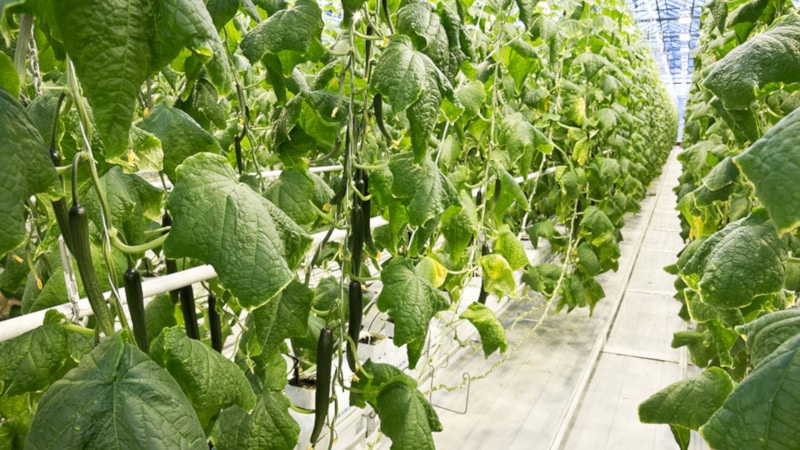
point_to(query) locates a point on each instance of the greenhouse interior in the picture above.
(399, 224)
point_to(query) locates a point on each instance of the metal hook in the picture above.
(466, 376)
(71, 282)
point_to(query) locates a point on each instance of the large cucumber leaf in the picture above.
(295, 29)
(410, 79)
(117, 398)
(209, 380)
(407, 417)
(24, 153)
(180, 135)
(760, 412)
(493, 335)
(771, 164)
(115, 45)
(743, 260)
(687, 404)
(429, 190)
(411, 301)
(769, 57)
(252, 244)
(269, 426)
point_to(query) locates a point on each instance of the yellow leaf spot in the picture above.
(132, 158)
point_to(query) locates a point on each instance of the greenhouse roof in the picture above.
(672, 28)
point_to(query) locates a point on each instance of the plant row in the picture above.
(738, 275)
(139, 132)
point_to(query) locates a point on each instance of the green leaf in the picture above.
(269, 426)
(406, 417)
(508, 245)
(401, 74)
(33, 360)
(252, 244)
(432, 270)
(471, 96)
(587, 259)
(21, 148)
(297, 192)
(460, 226)
(371, 378)
(769, 332)
(209, 380)
(542, 278)
(769, 57)
(145, 153)
(411, 301)
(160, 313)
(117, 398)
(422, 116)
(743, 260)
(688, 403)
(771, 164)
(283, 317)
(180, 135)
(757, 414)
(596, 226)
(493, 336)
(9, 80)
(430, 191)
(132, 203)
(497, 275)
(294, 29)
(419, 22)
(518, 136)
(138, 39)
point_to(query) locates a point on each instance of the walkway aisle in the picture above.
(577, 381)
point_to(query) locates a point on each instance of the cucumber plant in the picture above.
(173, 122)
(737, 276)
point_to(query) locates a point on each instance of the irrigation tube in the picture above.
(12, 328)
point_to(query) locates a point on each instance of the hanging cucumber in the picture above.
(377, 106)
(172, 265)
(323, 393)
(135, 297)
(483, 295)
(189, 312)
(79, 229)
(356, 238)
(215, 324)
(355, 302)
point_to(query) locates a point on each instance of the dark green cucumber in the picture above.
(366, 207)
(189, 312)
(135, 297)
(377, 106)
(323, 393)
(356, 239)
(79, 230)
(355, 302)
(483, 294)
(215, 324)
